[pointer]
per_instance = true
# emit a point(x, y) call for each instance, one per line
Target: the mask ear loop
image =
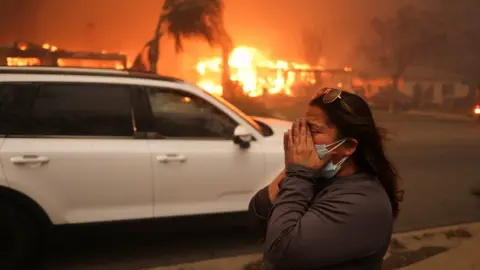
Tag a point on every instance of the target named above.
point(337, 144)
point(342, 161)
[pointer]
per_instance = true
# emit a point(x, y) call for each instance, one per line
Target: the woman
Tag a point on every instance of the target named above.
point(334, 206)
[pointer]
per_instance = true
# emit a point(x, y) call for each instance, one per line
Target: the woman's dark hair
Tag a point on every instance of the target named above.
point(355, 120)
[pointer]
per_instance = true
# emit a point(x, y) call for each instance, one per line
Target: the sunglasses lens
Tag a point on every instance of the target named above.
point(331, 95)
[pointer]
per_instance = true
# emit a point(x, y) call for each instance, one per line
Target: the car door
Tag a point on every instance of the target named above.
point(70, 147)
point(197, 167)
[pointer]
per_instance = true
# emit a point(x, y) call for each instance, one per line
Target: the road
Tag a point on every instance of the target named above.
point(438, 161)
point(439, 164)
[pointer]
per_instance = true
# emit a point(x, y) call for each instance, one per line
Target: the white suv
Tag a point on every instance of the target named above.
point(82, 146)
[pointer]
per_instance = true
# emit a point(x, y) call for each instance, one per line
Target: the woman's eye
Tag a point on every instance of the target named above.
point(315, 131)
point(315, 128)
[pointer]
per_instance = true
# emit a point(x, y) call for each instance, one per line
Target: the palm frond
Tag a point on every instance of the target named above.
point(187, 19)
point(194, 18)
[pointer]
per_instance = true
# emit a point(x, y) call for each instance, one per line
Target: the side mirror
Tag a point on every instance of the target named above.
point(242, 137)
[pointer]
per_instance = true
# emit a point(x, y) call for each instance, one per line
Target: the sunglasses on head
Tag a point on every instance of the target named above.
point(330, 95)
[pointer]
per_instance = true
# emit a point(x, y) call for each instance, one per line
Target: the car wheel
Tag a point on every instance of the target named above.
point(18, 237)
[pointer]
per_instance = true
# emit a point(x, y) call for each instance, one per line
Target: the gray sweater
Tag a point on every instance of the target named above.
point(344, 223)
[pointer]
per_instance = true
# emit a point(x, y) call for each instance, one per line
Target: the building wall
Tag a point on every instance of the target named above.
point(439, 89)
point(458, 90)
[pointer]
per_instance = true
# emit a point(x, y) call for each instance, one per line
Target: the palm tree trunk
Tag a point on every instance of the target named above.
point(138, 63)
point(153, 51)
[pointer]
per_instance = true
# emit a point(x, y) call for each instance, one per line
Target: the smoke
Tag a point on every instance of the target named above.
point(272, 26)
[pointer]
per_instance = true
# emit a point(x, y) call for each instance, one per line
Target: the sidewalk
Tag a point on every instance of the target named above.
point(420, 250)
point(464, 257)
point(453, 247)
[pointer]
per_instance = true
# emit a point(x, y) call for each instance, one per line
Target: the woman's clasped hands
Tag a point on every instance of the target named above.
point(300, 148)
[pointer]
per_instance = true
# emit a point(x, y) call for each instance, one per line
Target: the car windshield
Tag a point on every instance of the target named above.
point(232, 107)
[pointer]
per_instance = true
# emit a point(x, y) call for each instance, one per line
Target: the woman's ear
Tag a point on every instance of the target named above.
point(349, 147)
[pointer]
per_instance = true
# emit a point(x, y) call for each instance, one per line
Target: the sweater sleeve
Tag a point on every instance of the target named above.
point(259, 210)
point(340, 226)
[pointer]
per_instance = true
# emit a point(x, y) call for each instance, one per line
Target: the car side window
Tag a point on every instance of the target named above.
point(178, 114)
point(15, 104)
point(69, 110)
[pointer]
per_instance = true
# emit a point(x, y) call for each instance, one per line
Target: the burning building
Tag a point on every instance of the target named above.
point(255, 73)
point(258, 75)
point(29, 54)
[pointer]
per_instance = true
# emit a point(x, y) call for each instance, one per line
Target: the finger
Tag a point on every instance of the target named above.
point(291, 143)
point(303, 133)
point(296, 132)
point(308, 137)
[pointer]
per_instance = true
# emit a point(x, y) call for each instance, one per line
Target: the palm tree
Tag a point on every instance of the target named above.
point(188, 19)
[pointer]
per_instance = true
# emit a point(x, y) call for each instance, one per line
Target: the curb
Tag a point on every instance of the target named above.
point(407, 240)
point(472, 226)
point(418, 247)
point(464, 257)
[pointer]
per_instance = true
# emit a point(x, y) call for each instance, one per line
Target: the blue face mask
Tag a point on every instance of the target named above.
point(330, 169)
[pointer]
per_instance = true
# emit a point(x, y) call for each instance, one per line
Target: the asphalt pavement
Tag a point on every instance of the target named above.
point(438, 161)
point(439, 164)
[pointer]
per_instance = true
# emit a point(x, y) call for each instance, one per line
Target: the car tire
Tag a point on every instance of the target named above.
point(19, 237)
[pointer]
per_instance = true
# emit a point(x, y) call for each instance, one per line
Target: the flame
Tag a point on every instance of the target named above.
point(22, 62)
point(254, 73)
point(211, 87)
point(49, 47)
point(91, 63)
point(477, 110)
point(64, 62)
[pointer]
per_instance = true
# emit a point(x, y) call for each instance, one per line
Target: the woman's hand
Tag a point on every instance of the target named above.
point(300, 149)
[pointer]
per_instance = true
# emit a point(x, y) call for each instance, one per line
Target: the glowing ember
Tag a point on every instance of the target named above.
point(49, 47)
point(254, 72)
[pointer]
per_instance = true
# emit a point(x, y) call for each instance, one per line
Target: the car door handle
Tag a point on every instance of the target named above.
point(29, 159)
point(171, 158)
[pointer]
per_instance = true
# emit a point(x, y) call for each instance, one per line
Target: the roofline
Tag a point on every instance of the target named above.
point(33, 69)
point(33, 50)
point(81, 71)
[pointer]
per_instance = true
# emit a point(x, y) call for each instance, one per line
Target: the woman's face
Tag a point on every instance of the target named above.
point(322, 131)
